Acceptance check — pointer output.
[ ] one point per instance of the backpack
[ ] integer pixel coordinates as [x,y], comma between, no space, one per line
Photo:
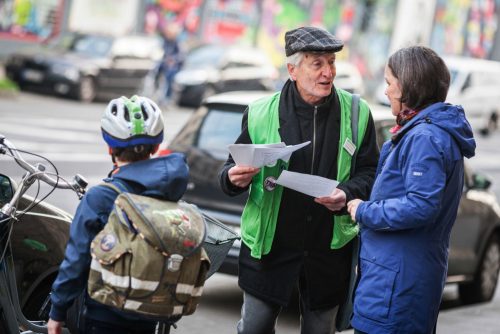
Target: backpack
[149,259]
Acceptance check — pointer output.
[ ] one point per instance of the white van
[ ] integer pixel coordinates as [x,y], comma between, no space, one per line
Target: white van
[475,84]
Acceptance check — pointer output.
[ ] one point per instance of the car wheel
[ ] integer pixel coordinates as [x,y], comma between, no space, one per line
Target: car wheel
[86,90]
[484,285]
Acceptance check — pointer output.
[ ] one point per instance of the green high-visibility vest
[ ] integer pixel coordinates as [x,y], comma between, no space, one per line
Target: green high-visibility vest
[259,218]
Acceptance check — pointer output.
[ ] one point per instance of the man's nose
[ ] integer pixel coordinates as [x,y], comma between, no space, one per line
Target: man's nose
[328,71]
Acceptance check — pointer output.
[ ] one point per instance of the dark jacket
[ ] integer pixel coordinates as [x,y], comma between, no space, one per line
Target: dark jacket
[301,246]
[164,177]
[406,225]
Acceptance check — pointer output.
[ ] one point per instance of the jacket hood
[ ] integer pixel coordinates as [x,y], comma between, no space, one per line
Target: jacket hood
[164,177]
[450,118]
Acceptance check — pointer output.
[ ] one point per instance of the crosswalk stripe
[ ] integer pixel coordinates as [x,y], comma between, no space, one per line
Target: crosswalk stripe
[53,123]
[41,132]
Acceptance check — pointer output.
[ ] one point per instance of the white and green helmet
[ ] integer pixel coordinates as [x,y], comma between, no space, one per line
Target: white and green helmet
[129,122]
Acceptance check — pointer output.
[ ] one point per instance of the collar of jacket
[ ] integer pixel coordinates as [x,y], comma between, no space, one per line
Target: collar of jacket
[421,117]
[290,129]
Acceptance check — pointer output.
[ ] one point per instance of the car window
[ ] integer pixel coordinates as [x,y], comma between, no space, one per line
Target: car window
[93,45]
[203,56]
[234,64]
[383,131]
[140,47]
[219,129]
[453,76]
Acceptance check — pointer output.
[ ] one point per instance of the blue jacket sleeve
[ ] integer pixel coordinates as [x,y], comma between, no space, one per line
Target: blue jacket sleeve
[421,163]
[73,271]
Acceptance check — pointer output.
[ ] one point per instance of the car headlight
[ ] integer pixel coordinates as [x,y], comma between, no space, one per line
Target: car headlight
[66,71]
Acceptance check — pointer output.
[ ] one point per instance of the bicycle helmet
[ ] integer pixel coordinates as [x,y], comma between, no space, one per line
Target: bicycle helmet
[130,122]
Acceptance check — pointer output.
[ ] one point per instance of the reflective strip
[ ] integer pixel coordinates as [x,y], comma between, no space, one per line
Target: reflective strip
[122,281]
[178,310]
[132,305]
[138,284]
[108,277]
[197,291]
[185,289]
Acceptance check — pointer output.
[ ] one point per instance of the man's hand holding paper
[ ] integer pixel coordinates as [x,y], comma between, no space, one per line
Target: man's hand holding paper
[335,201]
[241,176]
[312,185]
[259,155]
[324,190]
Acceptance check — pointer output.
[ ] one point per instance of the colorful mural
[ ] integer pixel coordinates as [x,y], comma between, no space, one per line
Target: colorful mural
[465,27]
[257,22]
[30,19]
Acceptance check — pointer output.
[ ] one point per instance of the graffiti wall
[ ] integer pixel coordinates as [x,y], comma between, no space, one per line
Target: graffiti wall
[257,22]
[30,19]
[465,27]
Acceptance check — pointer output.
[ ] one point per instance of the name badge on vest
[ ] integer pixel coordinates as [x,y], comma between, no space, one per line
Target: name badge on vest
[270,183]
[349,146]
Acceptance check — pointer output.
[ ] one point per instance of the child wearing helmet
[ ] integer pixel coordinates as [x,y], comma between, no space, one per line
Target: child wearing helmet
[133,131]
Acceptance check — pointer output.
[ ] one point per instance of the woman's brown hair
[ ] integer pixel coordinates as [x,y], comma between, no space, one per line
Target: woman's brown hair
[422,74]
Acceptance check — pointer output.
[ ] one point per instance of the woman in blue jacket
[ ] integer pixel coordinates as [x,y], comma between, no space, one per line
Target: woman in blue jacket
[406,224]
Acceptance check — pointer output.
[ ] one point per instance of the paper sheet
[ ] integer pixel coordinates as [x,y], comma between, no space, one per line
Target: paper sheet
[312,185]
[258,155]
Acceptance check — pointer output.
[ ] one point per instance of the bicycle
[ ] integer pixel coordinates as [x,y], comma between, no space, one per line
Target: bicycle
[219,239]
[11,197]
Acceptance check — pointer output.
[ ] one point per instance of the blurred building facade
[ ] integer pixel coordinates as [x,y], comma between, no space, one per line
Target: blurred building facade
[372,29]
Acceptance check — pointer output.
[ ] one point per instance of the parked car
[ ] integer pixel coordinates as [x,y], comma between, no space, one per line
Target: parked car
[211,69]
[475,242]
[83,66]
[475,84]
[348,77]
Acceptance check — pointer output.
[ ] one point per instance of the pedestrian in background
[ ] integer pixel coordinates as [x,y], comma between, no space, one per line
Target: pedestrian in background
[172,58]
[290,238]
[406,224]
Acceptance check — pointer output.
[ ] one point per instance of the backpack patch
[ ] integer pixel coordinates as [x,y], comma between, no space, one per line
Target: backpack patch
[149,259]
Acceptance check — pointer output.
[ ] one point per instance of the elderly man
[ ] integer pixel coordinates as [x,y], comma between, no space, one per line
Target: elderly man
[290,238]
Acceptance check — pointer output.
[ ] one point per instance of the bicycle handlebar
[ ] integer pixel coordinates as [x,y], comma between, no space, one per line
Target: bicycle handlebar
[75,184]
[78,184]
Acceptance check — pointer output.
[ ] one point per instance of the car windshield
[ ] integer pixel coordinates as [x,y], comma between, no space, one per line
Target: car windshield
[204,56]
[212,139]
[138,46]
[98,46]
[453,76]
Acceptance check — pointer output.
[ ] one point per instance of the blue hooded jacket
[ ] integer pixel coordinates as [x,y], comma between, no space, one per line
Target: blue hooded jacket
[406,224]
[164,177]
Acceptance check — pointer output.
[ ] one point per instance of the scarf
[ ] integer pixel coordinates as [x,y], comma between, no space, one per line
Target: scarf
[403,117]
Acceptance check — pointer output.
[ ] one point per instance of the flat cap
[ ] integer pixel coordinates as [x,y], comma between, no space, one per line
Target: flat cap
[311,39]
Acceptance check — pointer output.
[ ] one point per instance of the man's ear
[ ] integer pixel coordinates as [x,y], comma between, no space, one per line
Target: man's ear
[155,149]
[291,71]
[110,150]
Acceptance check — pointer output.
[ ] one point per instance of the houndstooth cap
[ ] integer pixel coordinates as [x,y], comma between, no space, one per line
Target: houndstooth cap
[311,39]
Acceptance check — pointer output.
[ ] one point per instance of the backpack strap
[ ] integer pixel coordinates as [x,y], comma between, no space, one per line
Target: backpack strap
[120,188]
[354,128]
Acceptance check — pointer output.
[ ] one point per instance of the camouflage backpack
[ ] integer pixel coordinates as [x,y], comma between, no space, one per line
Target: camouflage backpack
[149,258]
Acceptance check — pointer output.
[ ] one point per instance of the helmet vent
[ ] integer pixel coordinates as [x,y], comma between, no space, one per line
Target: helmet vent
[114,110]
[126,114]
[144,113]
